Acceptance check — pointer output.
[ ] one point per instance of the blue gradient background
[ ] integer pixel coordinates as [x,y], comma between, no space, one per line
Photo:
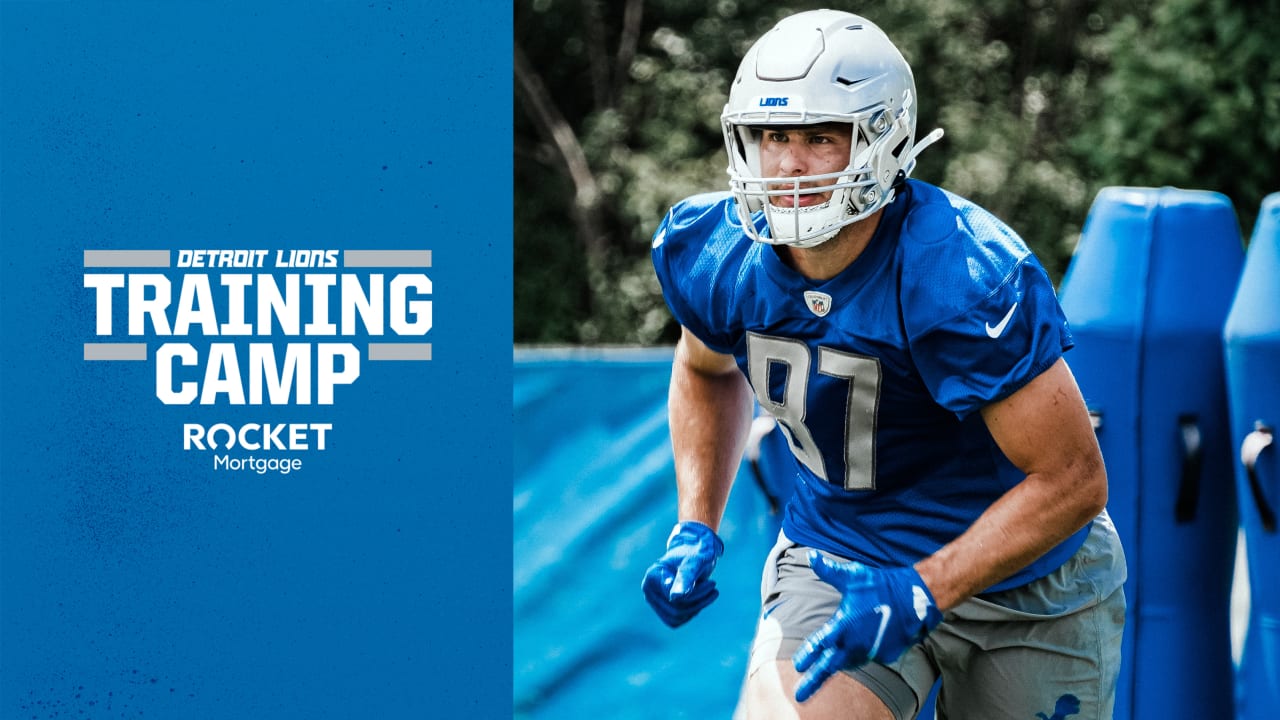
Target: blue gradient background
[135,581]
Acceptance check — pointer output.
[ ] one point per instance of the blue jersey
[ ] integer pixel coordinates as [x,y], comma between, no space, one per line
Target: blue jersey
[876,374]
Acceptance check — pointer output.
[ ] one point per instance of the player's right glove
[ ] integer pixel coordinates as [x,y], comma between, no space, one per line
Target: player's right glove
[883,611]
[679,585]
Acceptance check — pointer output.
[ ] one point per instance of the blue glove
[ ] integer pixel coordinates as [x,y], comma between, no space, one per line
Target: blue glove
[679,585]
[883,612]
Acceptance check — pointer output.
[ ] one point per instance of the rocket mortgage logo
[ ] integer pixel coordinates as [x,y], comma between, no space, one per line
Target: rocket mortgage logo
[260,327]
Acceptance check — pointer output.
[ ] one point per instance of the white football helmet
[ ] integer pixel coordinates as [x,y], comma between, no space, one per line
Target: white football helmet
[816,67]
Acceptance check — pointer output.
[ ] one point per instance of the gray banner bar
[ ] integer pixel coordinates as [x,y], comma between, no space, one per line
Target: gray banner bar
[115,351]
[126,258]
[386,258]
[399,351]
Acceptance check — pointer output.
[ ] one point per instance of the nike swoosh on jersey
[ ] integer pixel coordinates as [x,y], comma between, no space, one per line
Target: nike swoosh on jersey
[998,329]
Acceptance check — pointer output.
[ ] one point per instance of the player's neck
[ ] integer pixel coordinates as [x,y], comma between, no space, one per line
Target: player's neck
[825,261]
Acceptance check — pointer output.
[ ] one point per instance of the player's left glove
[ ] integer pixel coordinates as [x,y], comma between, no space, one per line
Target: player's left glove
[883,612]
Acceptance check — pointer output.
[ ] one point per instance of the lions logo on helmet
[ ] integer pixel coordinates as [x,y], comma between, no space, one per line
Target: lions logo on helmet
[817,67]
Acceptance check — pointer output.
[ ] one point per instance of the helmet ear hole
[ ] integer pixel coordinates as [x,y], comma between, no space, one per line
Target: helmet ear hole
[897,149]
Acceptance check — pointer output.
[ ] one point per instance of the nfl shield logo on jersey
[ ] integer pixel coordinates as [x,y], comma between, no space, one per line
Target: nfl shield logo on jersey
[818,302]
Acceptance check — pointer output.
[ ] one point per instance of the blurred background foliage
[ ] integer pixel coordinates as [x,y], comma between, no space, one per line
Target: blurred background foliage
[1044,103]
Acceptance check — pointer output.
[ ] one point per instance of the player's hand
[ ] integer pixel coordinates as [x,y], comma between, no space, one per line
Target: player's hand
[679,585]
[883,612]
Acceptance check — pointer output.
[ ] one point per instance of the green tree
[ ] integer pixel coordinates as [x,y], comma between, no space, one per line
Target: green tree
[1193,101]
[617,118]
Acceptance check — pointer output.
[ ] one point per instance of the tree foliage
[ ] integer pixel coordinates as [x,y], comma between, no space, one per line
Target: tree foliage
[1044,102]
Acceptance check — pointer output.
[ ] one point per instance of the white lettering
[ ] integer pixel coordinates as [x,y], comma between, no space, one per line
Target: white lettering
[290,437]
[223,380]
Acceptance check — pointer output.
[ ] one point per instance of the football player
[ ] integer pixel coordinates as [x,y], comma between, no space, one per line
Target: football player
[949,513]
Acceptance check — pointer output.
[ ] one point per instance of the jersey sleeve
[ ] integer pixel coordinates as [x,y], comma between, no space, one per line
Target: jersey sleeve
[687,262]
[999,345]
[981,313]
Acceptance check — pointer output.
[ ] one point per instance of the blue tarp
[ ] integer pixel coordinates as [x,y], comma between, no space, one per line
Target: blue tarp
[593,501]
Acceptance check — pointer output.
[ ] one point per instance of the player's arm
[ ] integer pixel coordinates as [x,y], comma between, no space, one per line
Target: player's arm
[709,408]
[1044,429]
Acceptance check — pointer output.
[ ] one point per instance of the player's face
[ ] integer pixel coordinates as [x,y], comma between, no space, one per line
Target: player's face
[804,150]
